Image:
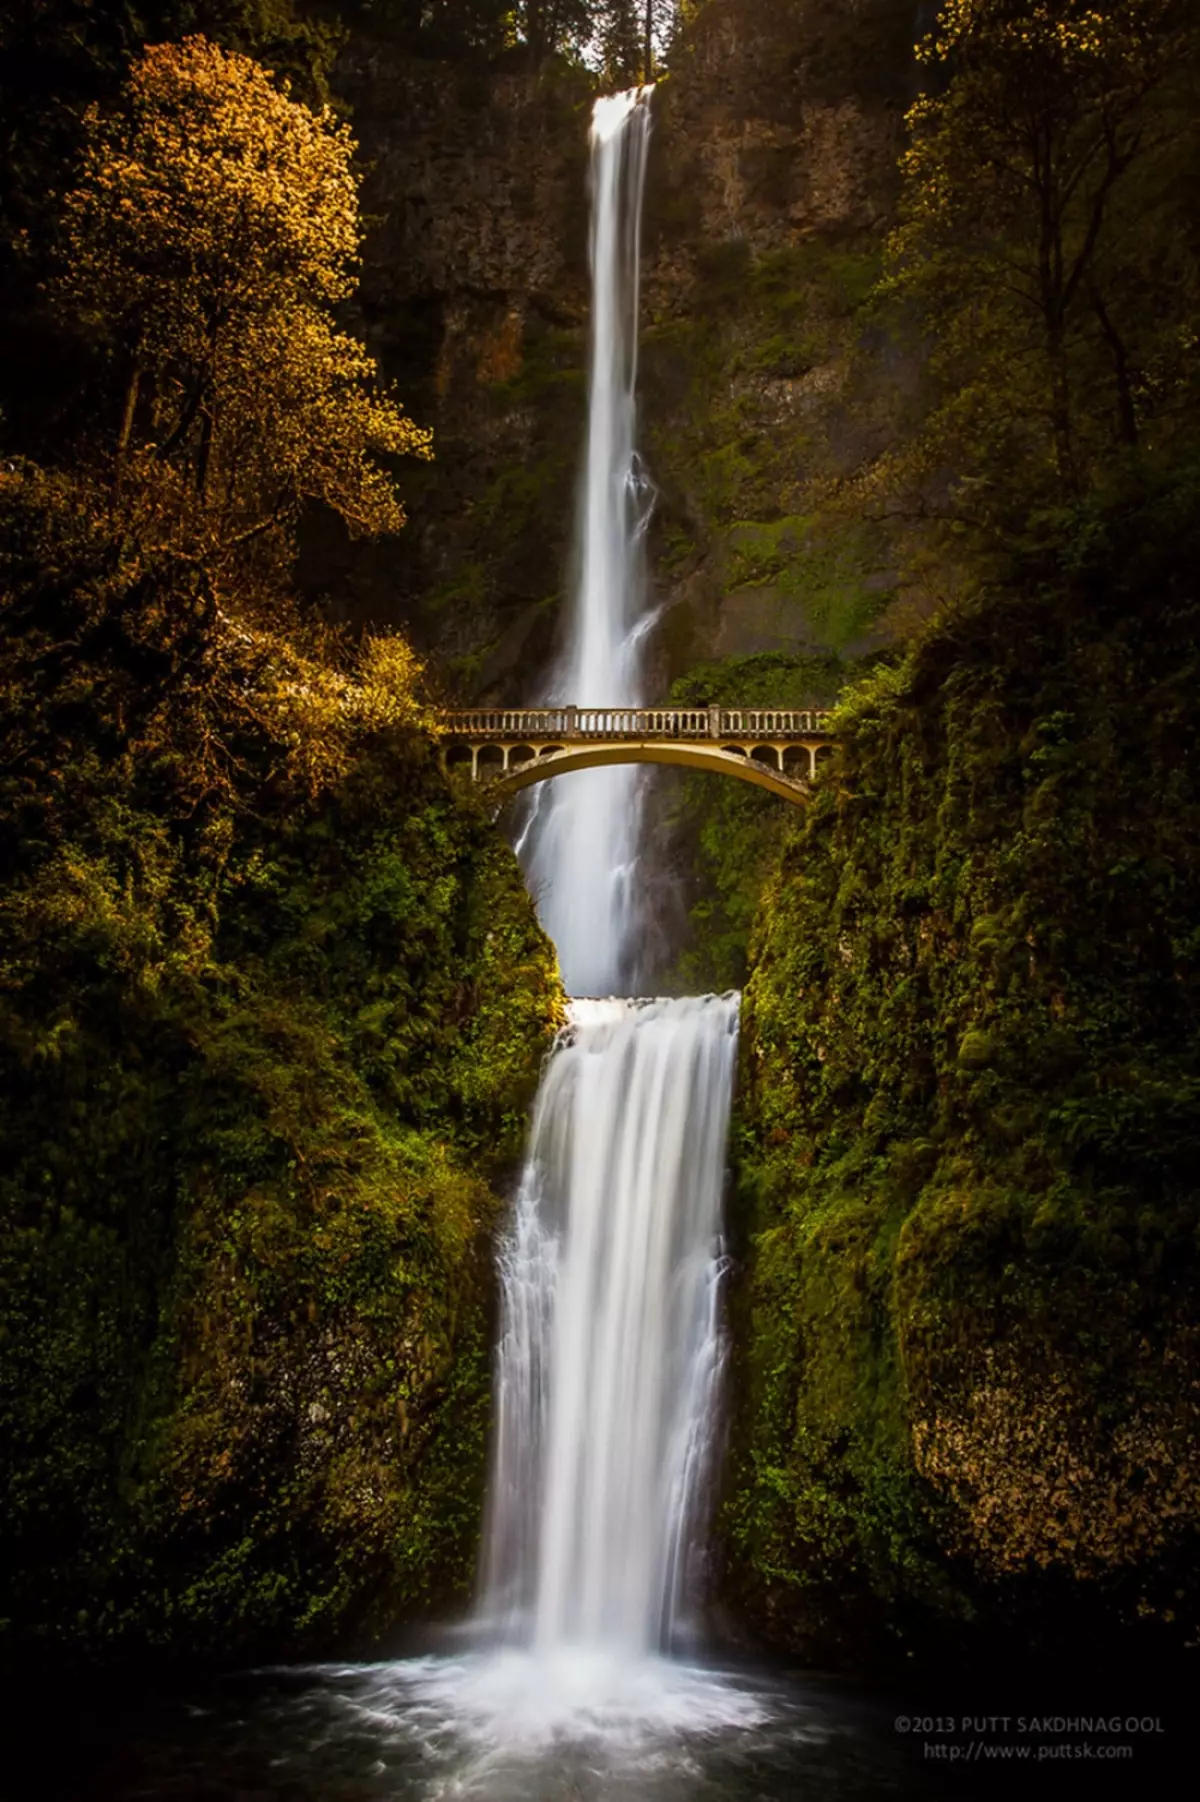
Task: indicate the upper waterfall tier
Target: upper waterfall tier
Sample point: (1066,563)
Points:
(580,846)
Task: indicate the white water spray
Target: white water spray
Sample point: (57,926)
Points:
(580,846)
(610,1354)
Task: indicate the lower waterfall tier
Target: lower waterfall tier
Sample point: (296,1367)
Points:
(610,1350)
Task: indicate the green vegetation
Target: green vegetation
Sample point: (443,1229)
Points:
(272,996)
(729,384)
(741,393)
(970,1107)
(736,416)
(496,564)
(529,32)
(830,569)
(1042,249)
(273,1005)
(969,1131)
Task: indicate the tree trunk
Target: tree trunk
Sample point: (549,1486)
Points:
(205,452)
(534,33)
(127,417)
(1060,404)
(1127,429)
(1053,304)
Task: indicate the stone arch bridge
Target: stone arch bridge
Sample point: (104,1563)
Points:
(778,749)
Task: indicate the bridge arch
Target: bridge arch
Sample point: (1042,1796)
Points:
(715,758)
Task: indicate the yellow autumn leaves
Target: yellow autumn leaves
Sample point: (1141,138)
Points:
(1072,29)
(213,228)
(211,233)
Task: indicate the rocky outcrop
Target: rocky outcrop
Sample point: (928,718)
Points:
(780,127)
(473,299)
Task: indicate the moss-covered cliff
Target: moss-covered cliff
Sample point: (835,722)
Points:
(967,1323)
(772,182)
(272,1005)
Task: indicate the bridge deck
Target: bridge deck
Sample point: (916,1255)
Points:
(570,724)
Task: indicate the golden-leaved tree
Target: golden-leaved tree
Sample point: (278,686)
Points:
(212,232)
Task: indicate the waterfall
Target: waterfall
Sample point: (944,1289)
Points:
(609,1358)
(610,1346)
(580,843)
(610,1350)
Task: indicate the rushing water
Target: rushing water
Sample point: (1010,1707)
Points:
(579,847)
(610,1350)
(568,1682)
(610,1347)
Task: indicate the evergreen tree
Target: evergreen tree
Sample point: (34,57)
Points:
(631,36)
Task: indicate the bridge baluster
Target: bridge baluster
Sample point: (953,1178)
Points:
(653,722)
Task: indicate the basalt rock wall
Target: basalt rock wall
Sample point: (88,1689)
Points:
(771,181)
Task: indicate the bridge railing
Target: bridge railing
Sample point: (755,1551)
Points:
(774,722)
(573,723)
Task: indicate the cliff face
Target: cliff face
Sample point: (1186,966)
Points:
(966,1320)
(965,1324)
(473,294)
(772,173)
(772,191)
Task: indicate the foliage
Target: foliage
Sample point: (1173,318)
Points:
(727,835)
(627,35)
(968,1130)
(1044,249)
(57,58)
(272,1002)
(615,30)
(735,418)
(213,230)
(272,997)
